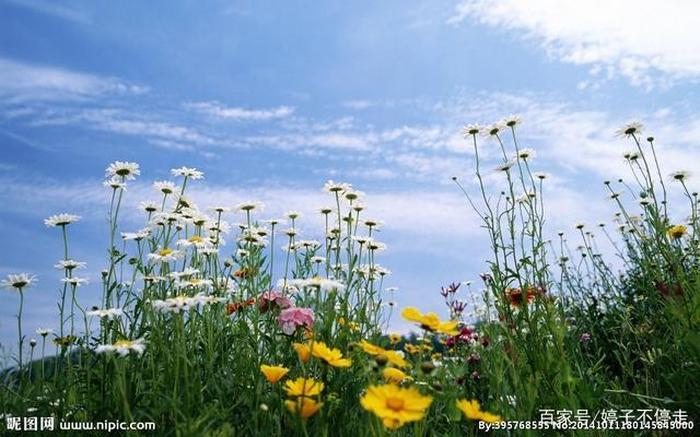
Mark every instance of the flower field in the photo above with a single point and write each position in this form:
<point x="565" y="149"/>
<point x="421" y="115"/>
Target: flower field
<point x="205" y="327"/>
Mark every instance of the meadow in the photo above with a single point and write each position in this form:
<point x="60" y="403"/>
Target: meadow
<point x="205" y="329"/>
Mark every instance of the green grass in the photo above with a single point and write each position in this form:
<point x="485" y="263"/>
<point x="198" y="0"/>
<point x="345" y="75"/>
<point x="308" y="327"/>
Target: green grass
<point x="560" y="328"/>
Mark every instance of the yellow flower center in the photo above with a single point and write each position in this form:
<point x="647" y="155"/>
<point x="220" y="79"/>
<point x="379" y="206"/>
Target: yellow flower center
<point x="395" y="404"/>
<point x="196" y="239"/>
<point x="165" y="252"/>
<point x="122" y="343"/>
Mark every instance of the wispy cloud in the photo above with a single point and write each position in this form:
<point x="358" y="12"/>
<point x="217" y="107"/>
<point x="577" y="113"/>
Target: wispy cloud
<point x="22" y="82"/>
<point x="358" y="104"/>
<point x="54" y="9"/>
<point x="649" y="42"/>
<point x="217" y="110"/>
<point x="163" y="133"/>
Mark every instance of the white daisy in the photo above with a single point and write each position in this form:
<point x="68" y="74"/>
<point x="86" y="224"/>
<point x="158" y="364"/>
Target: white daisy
<point x="360" y="239"/>
<point x="353" y="195"/>
<point x="250" y="206"/>
<point x="125" y="170"/>
<point x="629" y="129"/>
<point x="194" y="283"/>
<point x="317" y="282"/>
<point x="375" y="245"/>
<point x="165" y="187"/>
<point x="69" y="264"/>
<point x="680" y="175"/>
<point x="136" y="236"/>
<point x="123" y="347"/>
<point x="511" y="120"/>
<point x="631" y="156"/>
<point x="18" y="281"/>
<point x="505" y="166"/>
<point x="149" y="206"/>
<point x="292" y="215"/>
<point x="372" y="223"/>
<point x="493" y="129"/>
<point x="471" y="129"/>
<point x="307" y="244"/>
<point x="165" y="255"/>
<point x="526" y="154"/>
<point x="190" y="173"/>
<point x="61" y="220"/>
<point x="220" y="209"/>
<point x="115" y="183"/>
<point x="336" y="187"/>
<point x="108" y="313"/>
<point x="44" y="331"/>
<point x="75" y="281"/>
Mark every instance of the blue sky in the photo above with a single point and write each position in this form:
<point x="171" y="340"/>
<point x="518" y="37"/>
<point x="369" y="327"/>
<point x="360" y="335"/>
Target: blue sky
<point x="271" y="99"/>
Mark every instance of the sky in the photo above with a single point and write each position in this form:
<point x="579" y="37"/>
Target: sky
<point x="272" y="99"/>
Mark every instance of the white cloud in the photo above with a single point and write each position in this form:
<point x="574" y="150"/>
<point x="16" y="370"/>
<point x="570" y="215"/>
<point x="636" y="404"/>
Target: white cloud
<point x="21" y="82"/>
<point x="634" y="38"/>
<point x="160" y="133"/>
<point x="357" y="104"/>
<point x="54" y="9"/>
<point x="217" y="110"/>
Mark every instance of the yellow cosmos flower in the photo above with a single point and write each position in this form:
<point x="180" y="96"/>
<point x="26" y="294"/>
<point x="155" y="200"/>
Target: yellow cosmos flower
<point x="394" y="375"/>
<point x="303" y="350"/>
<point x="393" y="357"/>
<point x="303" y="406"/>
<point x="430" y="321"/>
<point x="677" y="231"/>
<point x="303" y="387"/>
<point x="395" y="338"/>
<point x="332" y="357"/>
<point x="395" y="405"/>
<point x="472" y="410"/>
<point x="273" y="373"/>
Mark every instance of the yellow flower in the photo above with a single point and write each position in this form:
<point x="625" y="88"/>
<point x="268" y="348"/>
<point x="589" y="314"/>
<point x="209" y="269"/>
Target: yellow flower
<point x="332" y="357"/>
<point x="395" y="405"/>
<point x="412" y="348"/>
<point x="396" y="359"/>
<point x="677" y="231"/>
<point x="430" y="321"/>
<point x="393" y="357"/>
<point x="305" y="407"/>
<point x="303" y="387"/>
<point x="303" y="350"/>
<point x="472" y="410"/>
<point x="165" y="252"/>
<point x="370" y="348"/>
<point x="273" y="373"/>
<point x="394" y="375"/>
<point x="395" y="338"/>
<point x="353" y="326"/>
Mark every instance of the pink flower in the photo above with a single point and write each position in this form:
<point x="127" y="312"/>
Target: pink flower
<point x="466" y="336"/>
<point x="292" y="318"/>
<point x="271" y="299"/>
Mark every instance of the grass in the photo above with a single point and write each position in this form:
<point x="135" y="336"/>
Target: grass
<point x="204" y="338"/>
